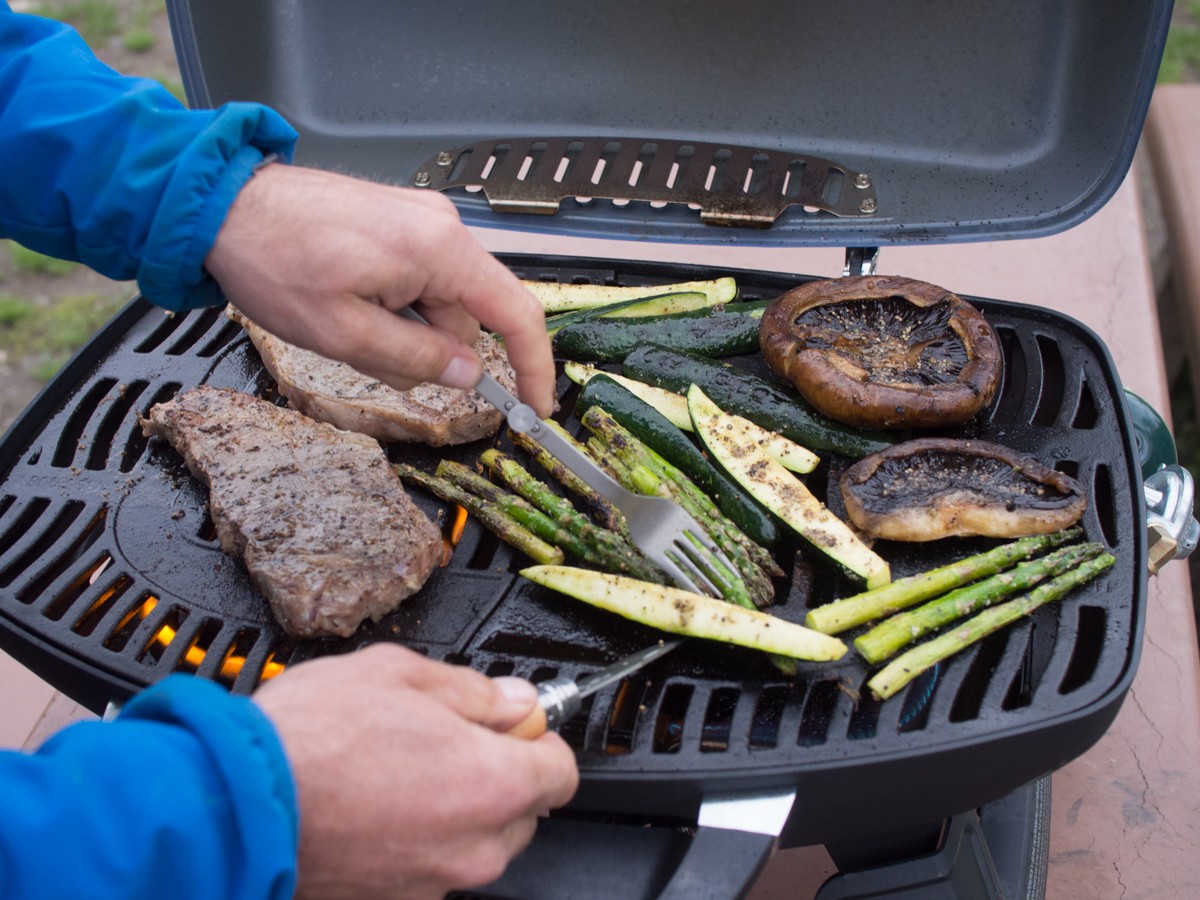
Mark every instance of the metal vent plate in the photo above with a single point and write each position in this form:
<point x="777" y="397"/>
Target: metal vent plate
<point x="729" y="185"/>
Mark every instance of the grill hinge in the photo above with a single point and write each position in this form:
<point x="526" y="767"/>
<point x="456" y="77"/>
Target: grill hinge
<point x="729" y="185"/>
<point x="861" y="260"/>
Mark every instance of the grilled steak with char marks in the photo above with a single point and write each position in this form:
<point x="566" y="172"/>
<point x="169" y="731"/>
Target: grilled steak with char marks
<point x="336" y="393"/>
<point x="317" y="515"/>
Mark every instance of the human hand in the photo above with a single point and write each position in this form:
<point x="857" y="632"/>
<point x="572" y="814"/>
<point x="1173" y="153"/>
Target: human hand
<point x="408" y="785"/>
<point x="322" y="261"/>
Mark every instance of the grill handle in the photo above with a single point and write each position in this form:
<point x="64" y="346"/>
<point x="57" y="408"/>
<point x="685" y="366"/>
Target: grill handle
<point x="589" y="860"/>
<point x="1172" y="529"/>
<point x="736" y="836"/>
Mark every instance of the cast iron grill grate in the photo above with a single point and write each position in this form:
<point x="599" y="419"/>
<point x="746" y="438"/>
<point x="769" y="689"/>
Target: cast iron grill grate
<point x="111" y="578"/>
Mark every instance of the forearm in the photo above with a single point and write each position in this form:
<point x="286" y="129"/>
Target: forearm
<point x="114" y="172"/>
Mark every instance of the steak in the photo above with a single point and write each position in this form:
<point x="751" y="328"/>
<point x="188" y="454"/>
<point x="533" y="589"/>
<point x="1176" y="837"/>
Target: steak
<point x="317" y="515"/>
<point x="336" y="393"/>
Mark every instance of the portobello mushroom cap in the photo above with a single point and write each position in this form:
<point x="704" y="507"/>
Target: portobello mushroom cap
<point x="882" y="351"/>
<point x="932" y="488"/>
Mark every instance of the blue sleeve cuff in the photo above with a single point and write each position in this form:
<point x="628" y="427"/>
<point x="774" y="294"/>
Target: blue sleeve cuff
<point x="243" y="752"/>
<point x="209" y="174"/>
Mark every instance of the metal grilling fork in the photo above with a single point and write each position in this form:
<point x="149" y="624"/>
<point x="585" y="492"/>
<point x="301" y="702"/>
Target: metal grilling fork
<point x="659" y="527"/>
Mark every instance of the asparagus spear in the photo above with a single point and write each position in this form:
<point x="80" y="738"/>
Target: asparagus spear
<point x="900" y="671"/>
<point x="604" y="512"/>
<point x="750" y="581"/>
<point x="605" y="426"/>
<point x="494" y="520"/>
<point x="729" y="583"/>
<point x="839" y="615"/>
<point x="612" y="552"/>
<point x="891" y="635"/>
<point x="654" y="476"/>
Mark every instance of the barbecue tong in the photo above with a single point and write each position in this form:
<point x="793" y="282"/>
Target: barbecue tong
<point x="658" y="526"/>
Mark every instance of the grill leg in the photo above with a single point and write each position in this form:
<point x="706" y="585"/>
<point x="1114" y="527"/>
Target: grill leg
<point x="999" y="852"/>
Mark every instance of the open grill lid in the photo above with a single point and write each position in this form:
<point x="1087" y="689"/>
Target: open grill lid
<point x="111" y="578"/>
<point x="969" y="121"/>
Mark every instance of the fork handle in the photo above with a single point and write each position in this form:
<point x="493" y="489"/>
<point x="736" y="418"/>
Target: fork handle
<point x="523" y="419"/>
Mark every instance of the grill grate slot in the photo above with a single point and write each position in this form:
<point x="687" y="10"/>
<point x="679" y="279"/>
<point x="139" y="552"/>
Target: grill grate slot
<point x="79" y="585"/>
<point x="26" y="515"/>
<point x="768" y="717"/>
<point x="983" y="666"/>
<point x="136" y="443"/>
<point x="671" y="718"/>
<point x="168" y="323"/>
<point x="228" y="332"/>
<point x="1053" y="383"/>
<point x="818" y="713"/>
<point x="73" y="438"/>
<point x="1016" y="378"/>
<point x="1087" y="413"/>
<point x="114" y="423"/>
<point x="198" y="325"/>
<point x="1103" y="504"/>
<point x="129" y="623"/>
<point x="35" y="546"/>
<point x="1088" y="648"/>
<point x="159" y="633"/>
<point x="718" y="720"/>
<point x="106" y="598"/>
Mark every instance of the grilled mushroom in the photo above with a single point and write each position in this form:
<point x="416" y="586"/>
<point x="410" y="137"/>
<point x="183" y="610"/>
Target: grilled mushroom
<point x="883" y="352"/>
<point x="932" y="488"/>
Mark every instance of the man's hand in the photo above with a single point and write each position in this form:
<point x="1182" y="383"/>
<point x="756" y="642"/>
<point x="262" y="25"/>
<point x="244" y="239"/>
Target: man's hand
<point x="322" y="261"/>
<point x="408" y="785"/>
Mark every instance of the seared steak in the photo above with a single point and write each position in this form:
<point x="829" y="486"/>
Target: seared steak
<point x="336" y="393"/>
<point x="317" y="514"/>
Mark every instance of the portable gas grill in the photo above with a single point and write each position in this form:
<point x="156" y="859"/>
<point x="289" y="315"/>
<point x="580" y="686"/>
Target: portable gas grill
<point x="111" y="576"/>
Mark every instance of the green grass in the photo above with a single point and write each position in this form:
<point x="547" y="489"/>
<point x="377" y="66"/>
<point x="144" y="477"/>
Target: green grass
<point x="1181" y="57"/>
<point x="174" y="85"/>
<point x="30" y="262"/>
<point x="45" y="337"/>
<point x="13" y="309"/>
<point x="138" y="39"/>
<point x="96" y="20"/>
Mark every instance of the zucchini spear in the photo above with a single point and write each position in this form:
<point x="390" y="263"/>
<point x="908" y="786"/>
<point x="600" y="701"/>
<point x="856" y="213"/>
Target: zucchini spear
<point x="659" y="435"/>
<point x="907" y="666"/>
<point x="682" y="612"/>
<point x="890" y="636"/>
<point x="781" y="492"/>
<point x="557" y="298"/>
<point x="836" y="617"/>
<point x="672" y="406"/>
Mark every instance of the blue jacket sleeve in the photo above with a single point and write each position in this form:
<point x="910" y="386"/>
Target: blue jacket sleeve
<point x="113" y="171"/>
<point x="186" y="795"/>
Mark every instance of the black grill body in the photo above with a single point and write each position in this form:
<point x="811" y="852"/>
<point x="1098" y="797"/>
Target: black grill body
<point x="111" y="578"/>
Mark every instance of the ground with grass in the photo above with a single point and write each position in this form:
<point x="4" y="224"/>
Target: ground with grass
<point x="49" y="308"/>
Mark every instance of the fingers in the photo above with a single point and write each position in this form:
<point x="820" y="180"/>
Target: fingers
<point x="403" y="790"/>
<point x="319" y="259"/>
<point x="497" y="704"/>
<point x="398" y="352"/>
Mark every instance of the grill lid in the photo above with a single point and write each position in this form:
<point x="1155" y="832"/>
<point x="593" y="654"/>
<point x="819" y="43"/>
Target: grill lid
<point x="973" y="121"/>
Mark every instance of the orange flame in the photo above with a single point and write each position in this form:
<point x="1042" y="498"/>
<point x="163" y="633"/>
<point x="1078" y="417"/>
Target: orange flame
<point x="456" y="533"/>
